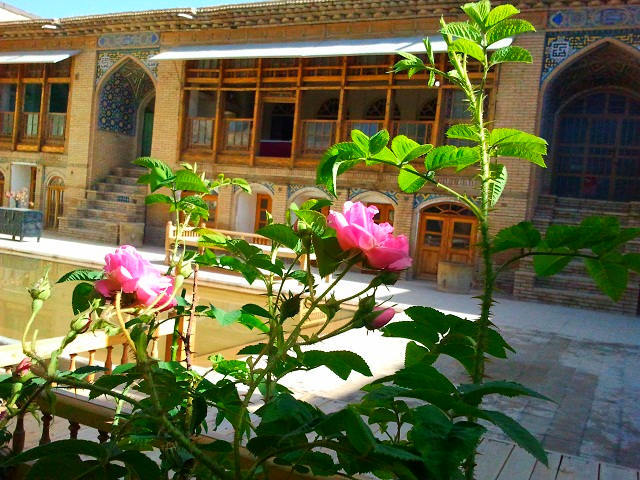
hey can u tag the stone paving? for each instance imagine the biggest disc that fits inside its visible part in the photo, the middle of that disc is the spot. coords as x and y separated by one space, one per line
588 362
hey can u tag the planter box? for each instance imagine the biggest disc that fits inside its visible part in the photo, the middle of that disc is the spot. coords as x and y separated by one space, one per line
20 222
455 277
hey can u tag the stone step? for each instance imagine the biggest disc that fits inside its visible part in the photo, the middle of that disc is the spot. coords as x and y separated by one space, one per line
119 197
119 188
117 179
130 208
101 214
132 171
73 227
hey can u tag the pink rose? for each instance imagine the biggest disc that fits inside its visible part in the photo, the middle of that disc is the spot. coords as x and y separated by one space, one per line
128 272
23 367
385 316
356 229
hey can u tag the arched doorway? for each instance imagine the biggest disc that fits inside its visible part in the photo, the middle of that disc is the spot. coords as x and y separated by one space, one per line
591 116
54 202
446 232
126 100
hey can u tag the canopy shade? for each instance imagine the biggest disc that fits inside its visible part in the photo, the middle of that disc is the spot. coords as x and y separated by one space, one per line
34 56
326 48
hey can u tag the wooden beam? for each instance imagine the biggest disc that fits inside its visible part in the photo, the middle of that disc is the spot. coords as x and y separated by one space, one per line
297 135
217 123
436 123
17 109
341 101
43 107
257 108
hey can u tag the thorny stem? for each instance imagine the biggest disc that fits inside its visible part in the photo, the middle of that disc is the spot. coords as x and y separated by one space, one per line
121 322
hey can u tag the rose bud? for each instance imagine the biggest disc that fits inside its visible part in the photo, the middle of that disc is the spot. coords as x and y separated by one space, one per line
384 317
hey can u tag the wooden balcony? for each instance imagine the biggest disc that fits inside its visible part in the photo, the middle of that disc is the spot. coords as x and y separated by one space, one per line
199 133
420 131
6 125
317 136
29 123
368 127
237 134
56 127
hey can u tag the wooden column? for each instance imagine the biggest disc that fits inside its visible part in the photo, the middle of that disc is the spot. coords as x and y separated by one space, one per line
341 100
43 107
388 111
295 140
256 116
435 132
17 109
217 123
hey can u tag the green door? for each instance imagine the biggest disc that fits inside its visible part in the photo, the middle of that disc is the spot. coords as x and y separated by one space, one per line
147 134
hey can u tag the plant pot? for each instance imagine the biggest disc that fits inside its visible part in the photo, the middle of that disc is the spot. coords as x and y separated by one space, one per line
455 277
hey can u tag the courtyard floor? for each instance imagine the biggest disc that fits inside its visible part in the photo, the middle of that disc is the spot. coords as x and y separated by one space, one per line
588 362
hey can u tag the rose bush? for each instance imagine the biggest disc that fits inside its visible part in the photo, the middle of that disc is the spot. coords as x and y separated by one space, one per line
356 229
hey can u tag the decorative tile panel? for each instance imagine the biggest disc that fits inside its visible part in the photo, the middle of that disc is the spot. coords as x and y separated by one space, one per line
108 58
128 40
628 15
118 105
559 46
354 192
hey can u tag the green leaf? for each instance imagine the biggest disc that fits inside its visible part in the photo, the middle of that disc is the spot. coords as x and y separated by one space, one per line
499 136
610 277
450 156
224 318
533 153
61 447
157 198
547 265
282 234
139 465
81 297
468 47
632 261
523 235
473 393
478 12
510 53
378 142
510 142
408 181
463 131
358 432
500 13
462 30
257 310
508 28
361 140
81 274
187 180
497 182
340 362
109 382
160 174
337 159
402 146
517 433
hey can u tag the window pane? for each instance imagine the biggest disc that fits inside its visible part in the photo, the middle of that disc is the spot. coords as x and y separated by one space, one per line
7 97
596 103
462 228
602 131
434 226
201 104
432 240
460 243
59 97
32 96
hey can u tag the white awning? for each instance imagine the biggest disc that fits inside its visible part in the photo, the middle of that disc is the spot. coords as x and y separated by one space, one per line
326 48
41 56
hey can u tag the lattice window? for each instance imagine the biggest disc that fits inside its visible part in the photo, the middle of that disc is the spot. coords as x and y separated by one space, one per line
377 109
428 110
597 147
329 109
447 208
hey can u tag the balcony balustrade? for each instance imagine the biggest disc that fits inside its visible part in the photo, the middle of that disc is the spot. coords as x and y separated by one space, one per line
317 136
199 132
56 125
30 127
6 124
237 134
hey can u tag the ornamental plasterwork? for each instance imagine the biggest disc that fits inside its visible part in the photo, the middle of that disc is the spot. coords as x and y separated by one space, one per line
559 46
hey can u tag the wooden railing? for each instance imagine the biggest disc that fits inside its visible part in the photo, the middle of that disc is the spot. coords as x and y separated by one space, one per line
240 75
203 75
190 237
365 72
420 131
85 347
368 127
199 132
321 73
56 124
279 74
237 133
6 124
317 136
29 124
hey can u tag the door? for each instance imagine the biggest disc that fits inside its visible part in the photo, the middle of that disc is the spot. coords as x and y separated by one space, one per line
147 134
263 210
445 236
